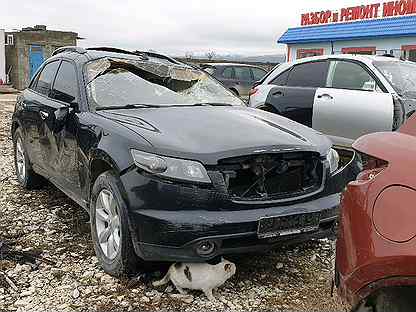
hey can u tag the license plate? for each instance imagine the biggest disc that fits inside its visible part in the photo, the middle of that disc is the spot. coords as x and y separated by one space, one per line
287 225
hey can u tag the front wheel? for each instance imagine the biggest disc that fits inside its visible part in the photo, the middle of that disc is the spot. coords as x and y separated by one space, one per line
109 228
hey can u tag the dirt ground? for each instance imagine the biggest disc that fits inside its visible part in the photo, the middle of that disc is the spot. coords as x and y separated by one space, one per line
64 274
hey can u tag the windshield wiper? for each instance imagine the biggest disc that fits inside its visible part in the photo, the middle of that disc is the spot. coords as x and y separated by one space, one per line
208 104
132 106
128 106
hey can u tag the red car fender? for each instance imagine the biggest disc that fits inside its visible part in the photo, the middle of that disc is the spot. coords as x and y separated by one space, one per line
376 241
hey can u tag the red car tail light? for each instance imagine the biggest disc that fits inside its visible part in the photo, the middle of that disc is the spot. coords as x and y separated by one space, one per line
253 91
371 166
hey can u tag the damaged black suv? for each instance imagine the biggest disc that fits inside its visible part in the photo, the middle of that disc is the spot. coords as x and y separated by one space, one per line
170 165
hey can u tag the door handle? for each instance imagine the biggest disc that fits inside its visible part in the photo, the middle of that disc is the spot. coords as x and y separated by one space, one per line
277 93
325 96
44 115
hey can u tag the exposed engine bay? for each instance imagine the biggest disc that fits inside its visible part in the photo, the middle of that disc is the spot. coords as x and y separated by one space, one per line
272 176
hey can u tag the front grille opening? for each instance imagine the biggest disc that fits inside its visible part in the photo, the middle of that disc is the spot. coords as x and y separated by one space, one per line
272 176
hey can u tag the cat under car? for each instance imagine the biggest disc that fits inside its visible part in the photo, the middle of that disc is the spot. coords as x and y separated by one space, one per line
198 276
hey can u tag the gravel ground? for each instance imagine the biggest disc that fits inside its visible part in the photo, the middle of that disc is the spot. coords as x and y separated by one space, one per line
46 224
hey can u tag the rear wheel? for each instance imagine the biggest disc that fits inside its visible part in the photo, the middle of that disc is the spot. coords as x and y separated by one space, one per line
109 228
24 172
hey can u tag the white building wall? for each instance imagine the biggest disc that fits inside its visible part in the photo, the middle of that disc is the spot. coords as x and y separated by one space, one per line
2 56
386 44
318 45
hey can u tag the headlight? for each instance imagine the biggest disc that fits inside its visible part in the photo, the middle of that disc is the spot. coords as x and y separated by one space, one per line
333 159
174 168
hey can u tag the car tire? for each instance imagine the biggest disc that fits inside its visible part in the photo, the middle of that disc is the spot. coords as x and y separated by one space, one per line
109 228
24 172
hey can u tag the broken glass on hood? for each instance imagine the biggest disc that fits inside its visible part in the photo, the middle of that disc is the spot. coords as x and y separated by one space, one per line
114 82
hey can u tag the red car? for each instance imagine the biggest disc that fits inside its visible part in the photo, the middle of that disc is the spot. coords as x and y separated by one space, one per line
375 266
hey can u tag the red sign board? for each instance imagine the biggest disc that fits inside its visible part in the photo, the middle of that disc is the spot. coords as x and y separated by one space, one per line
362 12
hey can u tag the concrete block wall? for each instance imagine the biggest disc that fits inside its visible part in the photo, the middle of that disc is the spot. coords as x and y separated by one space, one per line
17 55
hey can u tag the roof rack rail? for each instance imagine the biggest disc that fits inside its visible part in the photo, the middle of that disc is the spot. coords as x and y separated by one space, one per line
69 49
115 50
154 54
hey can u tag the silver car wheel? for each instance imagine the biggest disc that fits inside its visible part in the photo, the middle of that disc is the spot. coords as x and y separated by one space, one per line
20 160
107 223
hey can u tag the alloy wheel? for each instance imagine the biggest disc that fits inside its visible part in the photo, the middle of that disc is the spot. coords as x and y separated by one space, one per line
107 223
20 160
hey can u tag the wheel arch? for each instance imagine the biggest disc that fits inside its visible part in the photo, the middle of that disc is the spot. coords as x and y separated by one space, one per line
100 162
368 294
398 298
97 167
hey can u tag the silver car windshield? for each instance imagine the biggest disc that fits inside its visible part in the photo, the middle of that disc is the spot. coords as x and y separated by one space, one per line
121 82
401 75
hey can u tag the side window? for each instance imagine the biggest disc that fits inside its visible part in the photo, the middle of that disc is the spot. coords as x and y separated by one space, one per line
349 75
243 73
65 88
46 77
258 73
228 73
281 80
311 74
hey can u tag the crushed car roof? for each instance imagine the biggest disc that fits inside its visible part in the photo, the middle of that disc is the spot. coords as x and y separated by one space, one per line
100 52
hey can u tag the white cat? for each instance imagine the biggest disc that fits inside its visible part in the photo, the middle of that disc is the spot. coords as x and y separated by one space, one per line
199 276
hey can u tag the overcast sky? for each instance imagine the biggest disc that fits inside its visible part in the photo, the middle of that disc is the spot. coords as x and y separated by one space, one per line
248 27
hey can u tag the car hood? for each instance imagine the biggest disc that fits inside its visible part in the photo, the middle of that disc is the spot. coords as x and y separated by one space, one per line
211 133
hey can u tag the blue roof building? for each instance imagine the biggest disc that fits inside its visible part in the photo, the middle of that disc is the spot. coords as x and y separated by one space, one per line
388 35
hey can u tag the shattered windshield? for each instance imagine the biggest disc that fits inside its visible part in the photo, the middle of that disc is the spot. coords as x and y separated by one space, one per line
401 75
120 82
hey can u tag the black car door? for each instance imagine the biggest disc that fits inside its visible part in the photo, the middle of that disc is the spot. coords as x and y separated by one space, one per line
60 129
294 94
35 101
